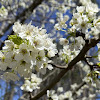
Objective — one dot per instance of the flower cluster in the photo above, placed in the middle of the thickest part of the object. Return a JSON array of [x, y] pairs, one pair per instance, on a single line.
[[3, 12], [70, 50], [32, 83], [62, 95], [92, 77], [30, 49], [61, 22], [82, 20], [51, 94], [85, 19]]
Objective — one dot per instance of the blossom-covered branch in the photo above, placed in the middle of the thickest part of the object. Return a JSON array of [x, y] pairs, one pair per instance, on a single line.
[[78, 58]]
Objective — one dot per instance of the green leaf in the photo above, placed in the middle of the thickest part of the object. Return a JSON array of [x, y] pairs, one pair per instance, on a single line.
[[98, 64], [16, 39]]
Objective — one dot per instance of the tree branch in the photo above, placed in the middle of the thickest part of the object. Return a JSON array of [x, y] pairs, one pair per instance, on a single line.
[[91, 66], [58, 66], [78, 58], [79, 87]]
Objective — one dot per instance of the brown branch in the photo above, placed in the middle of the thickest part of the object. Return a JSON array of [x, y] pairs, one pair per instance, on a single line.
[[79, 87], [44, 79], [58, 66], [91, 66], [49, 75], [78, 58], [88, 57]]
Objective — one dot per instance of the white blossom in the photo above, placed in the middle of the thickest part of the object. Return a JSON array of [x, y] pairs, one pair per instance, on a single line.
[[31, 84]]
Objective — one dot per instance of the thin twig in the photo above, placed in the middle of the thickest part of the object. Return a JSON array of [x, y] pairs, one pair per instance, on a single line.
[[91, 66], [58, 66], [79, 87]]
